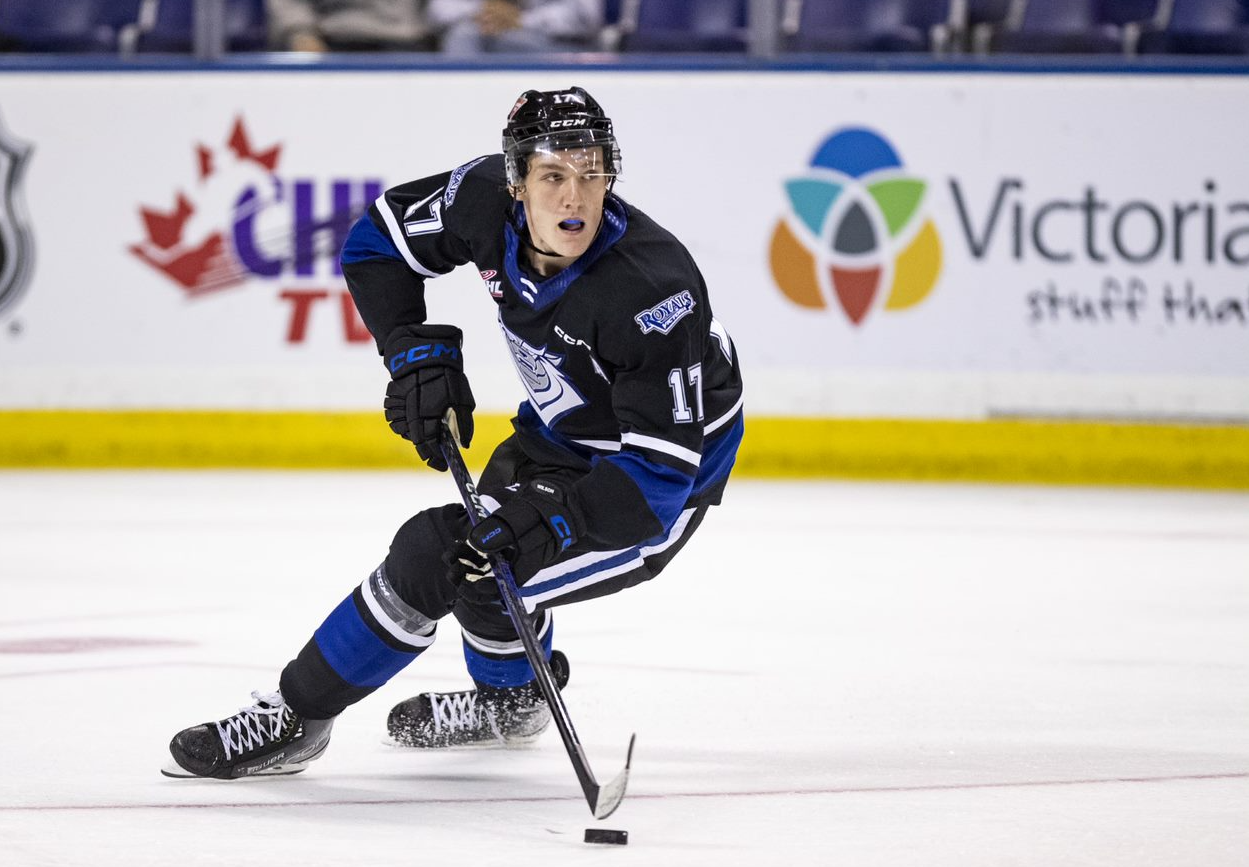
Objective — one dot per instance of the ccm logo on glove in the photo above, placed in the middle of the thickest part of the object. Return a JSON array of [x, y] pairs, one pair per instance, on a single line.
[[562, 531], [422, 353], [427, 381]]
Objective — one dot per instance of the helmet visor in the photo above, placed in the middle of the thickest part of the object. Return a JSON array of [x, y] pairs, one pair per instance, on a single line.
[[586, 152]]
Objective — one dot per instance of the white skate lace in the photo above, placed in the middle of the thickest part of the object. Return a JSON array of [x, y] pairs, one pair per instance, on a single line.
[[456, 711], [255, 726]]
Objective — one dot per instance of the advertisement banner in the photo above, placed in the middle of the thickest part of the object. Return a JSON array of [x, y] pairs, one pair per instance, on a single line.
[[891, 245]]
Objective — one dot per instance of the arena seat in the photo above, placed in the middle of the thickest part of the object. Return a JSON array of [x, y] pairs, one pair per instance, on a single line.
[[1126, 12], [172, 28], [981, 19], [64, 25], [1060, 27], [691, 25], [1200, 27], [851, 25]]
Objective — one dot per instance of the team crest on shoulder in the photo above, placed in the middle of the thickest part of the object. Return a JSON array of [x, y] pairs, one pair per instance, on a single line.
[[457, 177], [666, 314]]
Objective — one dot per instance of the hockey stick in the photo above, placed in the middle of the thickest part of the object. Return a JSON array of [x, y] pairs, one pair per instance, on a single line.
[[603, 800]]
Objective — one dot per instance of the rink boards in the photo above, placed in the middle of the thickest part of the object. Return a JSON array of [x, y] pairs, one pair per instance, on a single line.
[[926, 275]]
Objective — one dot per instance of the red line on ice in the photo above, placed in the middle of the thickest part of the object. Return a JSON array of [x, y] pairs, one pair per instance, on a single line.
[[762, 793]]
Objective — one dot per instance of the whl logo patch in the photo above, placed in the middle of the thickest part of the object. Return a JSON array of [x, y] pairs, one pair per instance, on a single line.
[[856, 234], [493, 285]]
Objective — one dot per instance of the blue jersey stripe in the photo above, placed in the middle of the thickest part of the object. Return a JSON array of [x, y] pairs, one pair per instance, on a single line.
[[528, 418], [366, 241], [665, 488], [719, 455], [596, 564]]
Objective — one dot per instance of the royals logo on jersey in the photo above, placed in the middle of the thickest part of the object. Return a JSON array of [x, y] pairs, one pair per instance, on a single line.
[[666, 314], [551, 392]]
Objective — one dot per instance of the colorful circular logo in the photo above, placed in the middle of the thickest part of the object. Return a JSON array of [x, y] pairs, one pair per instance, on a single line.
[[855, 224]]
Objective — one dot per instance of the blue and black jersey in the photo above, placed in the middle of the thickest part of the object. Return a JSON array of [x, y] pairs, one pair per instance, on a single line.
[[629, 376]]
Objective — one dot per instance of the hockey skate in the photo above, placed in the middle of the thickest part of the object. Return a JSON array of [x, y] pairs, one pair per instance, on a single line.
[[483, 717], [265, 739]]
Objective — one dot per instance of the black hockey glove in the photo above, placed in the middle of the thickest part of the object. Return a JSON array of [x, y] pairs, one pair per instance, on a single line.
[[535, 526], [427, 378], [535, 522], [472, 573]]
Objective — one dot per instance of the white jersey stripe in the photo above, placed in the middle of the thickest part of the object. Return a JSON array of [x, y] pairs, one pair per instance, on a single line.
[[531, 602], [614, 446], [719, 332], [655, 444], [674, 535], [576, 564], [552, 573], [485, 645], [724, 419], [601, 445], [396, 235]]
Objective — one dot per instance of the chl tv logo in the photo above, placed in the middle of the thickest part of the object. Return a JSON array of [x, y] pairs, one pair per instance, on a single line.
[[856, 226]]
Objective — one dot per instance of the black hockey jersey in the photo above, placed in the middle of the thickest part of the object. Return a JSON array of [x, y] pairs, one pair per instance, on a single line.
[[628, 373]]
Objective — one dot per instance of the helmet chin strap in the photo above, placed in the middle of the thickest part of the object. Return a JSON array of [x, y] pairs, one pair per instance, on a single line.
[[525, 239], [522, 232]]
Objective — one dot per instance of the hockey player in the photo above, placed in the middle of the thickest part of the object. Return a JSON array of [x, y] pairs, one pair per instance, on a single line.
[[628, 435]]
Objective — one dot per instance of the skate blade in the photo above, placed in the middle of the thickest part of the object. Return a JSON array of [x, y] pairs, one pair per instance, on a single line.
[[511, 744], [176, 772]]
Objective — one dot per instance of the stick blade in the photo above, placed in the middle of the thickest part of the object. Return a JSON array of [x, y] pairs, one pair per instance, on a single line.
[[610, 795]]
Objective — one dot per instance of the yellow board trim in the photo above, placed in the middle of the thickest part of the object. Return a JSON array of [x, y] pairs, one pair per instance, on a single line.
[[1051, 452], [1059, 452]]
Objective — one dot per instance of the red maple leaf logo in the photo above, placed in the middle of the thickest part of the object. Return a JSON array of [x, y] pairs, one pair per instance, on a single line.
[[243, 150], [205, 263]]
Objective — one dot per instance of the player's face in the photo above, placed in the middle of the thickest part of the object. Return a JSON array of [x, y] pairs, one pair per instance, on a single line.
[[563, 198]]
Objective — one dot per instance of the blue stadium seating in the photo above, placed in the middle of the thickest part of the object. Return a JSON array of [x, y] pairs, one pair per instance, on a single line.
[[1125, 12], [980, 20], [64, 25], [172, 30], [1061, 27], [987, 11], [852, 25], [689, 25], [1200, 27]]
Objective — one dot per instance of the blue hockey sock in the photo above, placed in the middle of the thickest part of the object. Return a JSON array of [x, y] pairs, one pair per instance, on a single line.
[[503, 664]]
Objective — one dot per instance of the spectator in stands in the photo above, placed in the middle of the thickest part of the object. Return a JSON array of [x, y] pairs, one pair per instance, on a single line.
[[477, 26], [347, 25]]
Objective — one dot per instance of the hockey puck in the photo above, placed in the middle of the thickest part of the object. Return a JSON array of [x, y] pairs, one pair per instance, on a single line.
[[606, 835]]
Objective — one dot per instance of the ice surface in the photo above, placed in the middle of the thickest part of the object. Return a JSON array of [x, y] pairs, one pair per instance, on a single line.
[[830, 674]]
